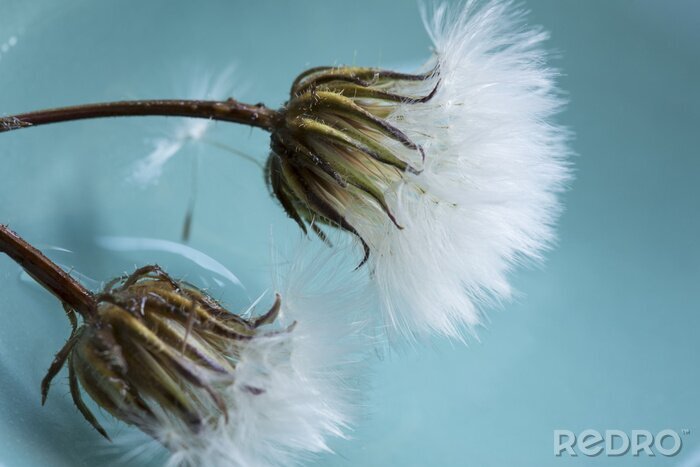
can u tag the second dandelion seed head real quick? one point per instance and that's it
(159, 354)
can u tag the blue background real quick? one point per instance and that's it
(604, 336)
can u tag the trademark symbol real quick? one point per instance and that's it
(685, 431)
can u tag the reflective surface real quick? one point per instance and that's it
(603, 337)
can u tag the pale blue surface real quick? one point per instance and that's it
(605, 336)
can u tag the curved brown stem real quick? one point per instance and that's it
(230, 111)
(47, 273)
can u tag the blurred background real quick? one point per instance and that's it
(605, 336)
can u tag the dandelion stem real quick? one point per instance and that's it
(47, 273)
(230, 111)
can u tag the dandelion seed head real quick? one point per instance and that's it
(448, 177)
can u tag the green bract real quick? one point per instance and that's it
(334, 149)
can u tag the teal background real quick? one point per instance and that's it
(604, 336)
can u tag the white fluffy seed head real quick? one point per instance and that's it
(448, 177)
(307, 381)
(495, 163)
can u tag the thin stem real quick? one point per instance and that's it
(47, 273)
(230, 111)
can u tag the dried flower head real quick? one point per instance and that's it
(448, 177)
(152, 347)
(211, 386)
(335, 152)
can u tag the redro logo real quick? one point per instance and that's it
(617, 443)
